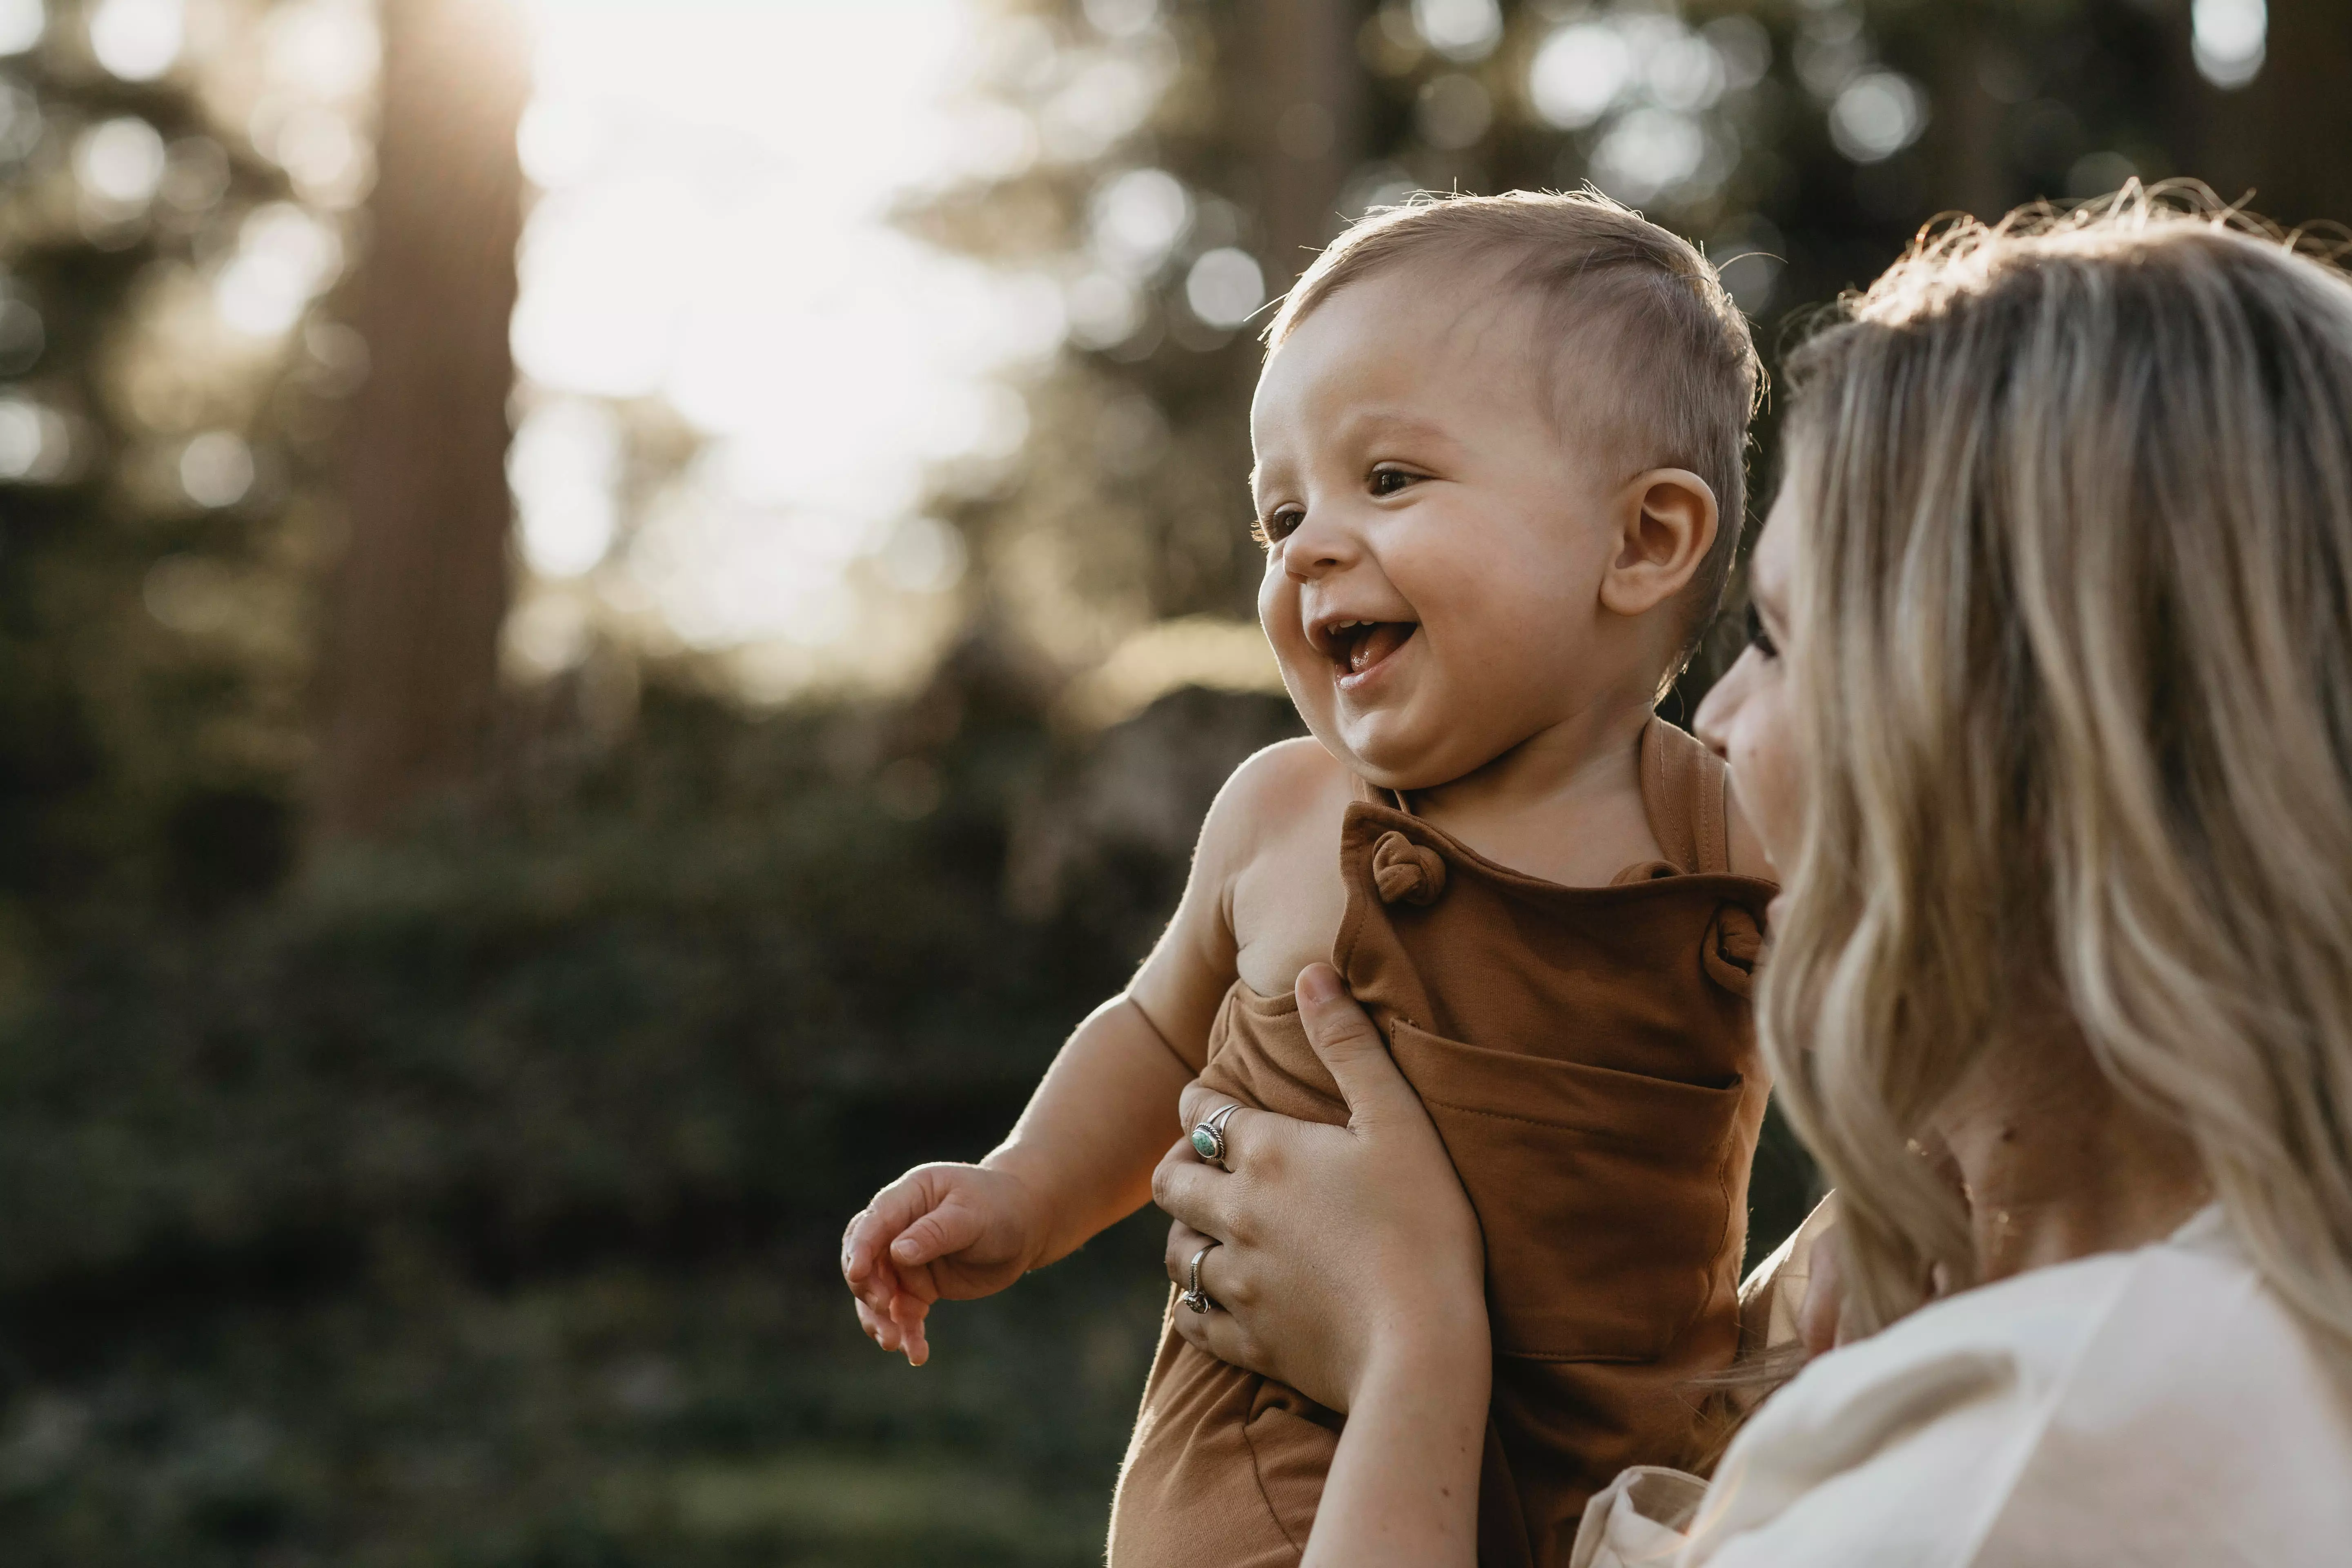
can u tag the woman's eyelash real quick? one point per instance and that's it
(1757, 637)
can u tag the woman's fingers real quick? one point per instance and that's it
(1824, 1304)
(1217, 1331)
(1245, 1131)
(1223, 1274)
(1186, 1190)
(1183, 1244)
(1343, 1036)
(1199, 1102)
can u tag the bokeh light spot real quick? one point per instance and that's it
(36, 445)
(1225, 287)
(924, 557)
(1104, 310)
(2229, 39)
(1744, 48)
(1462, 30)
(1453, 111)
(1121, 18)
(1137, 219)
(1647, 153)
(137, 40)
(216, 469)
(20, 122)
(1578, 73)
(22, 23)
(564, 467)
(285, 258)
(119, 160)
(1877, 115)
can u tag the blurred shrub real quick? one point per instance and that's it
(473, 1200)
(715, 995)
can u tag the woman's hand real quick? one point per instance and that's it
(1341, 1256)
(1347, 1263)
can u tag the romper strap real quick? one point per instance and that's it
(1371, 793)
(1685, 790)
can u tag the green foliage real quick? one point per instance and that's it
(474, 1202)
(159, 507)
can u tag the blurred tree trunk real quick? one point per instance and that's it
(2282, 138)
(2301, 109)
(409, 668)
(1312, 98)
(1967, 126)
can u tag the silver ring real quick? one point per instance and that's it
(1194, 1297)
(1209, 1138)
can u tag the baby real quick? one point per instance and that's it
(1499, 448)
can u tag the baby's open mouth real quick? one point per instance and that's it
(1357, 646)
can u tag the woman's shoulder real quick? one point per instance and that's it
(2159, 1405)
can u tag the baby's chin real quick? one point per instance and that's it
(1392, 751)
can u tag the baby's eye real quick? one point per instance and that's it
(1277, 525)
(1389, 481)
(1757, 637)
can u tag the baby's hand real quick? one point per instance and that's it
(939, 1232)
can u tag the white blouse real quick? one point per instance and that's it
(2158, 1406)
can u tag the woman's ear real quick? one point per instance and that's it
(1666, 523)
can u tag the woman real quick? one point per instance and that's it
(2046, 723)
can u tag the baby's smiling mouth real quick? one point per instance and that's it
(1357, 646)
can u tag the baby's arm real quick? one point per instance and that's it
(1081, 1156)
(1079, 1159)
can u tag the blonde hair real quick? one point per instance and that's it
(1688, 377)
(2074, 575)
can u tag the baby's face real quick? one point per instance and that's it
(1438, 536)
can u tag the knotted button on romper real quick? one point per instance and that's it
(1587, 1055)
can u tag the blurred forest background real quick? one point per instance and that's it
(614, 614)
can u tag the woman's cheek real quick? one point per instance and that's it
(1763, 764)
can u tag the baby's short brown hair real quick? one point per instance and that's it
(1683, 367)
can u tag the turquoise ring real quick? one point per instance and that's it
(1209, 1138)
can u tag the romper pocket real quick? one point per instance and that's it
(1603, 1195)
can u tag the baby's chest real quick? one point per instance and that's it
(1287, 904)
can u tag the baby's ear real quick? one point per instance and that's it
(1666, 523)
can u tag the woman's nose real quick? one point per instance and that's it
(1712, 722)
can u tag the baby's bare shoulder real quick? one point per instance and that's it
(1274, 792)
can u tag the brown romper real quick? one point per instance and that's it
(1588, 1058)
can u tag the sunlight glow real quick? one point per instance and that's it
(714, 233)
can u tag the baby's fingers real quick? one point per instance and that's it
(866, 1264)
(879, 1328)
(873, 1227)
(908, 1315)
(949, 1228)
